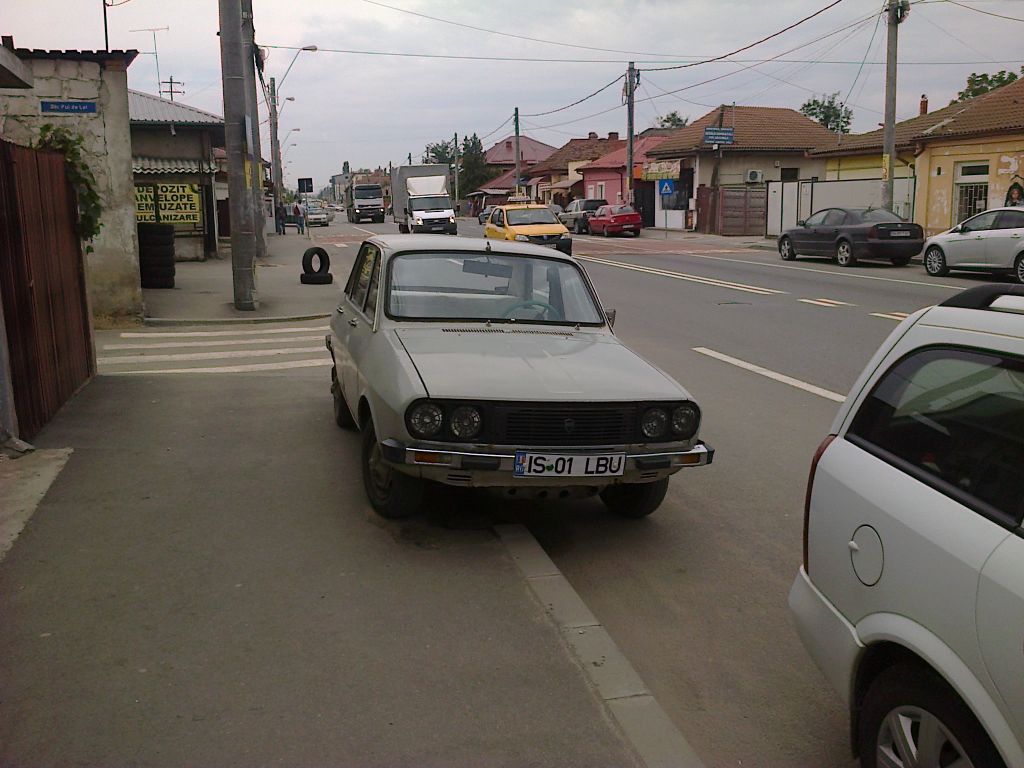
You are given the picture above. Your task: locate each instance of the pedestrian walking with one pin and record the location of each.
(280, 214)
(299, 211)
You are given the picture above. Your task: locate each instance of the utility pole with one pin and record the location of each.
(456, 173)
(275, 144)
(249, 54)
(631, 76)
(237, 139)
(170, 90)
(516, 121)
(896, 12)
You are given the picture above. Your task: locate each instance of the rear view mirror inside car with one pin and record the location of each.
(487, 268)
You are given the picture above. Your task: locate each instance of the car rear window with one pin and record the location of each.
(876, 215)
(953, 418)
(593, 205)
(620, 209)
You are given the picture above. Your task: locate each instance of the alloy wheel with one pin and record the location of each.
(844, 256)
(910, 736)
(934, 262)
(1020, 268)
(786, 249)
(380, 473)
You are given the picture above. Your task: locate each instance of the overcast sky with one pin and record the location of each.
(369, 109)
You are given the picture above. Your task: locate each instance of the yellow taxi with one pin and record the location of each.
(528, 223)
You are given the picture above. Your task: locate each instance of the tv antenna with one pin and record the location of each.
(156, 55)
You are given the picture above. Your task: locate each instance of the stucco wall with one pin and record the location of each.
(733, 167)
(612, 180)
(158, 141)
(112, 269)
(864, 167)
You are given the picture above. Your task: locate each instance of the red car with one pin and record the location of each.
(615, 219)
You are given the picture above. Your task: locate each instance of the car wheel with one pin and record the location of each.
(911, 717)
(342, 415)
(577, 227)
(606, 232)
(786, 249)
(1018, 269)
(900, 261)
(635, 499)
(844, 254)
(391, 494)
(403, 229)
(935, 262)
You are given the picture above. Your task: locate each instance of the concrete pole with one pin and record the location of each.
(516, 116)
(456, 174)
(249, 63)
(630, 83)
(889, 132)
(275, 144)
(243, 239)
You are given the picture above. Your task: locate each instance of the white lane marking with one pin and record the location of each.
(340, 245)
(683, 276)
(227, 368)
(367, 231)
(775, 376)
(221, 343)
(190, 334)
(830, 303)
(221, 355)
(897, 316)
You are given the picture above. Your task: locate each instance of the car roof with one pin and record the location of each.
(401, 243)
(509, 206)
(993, 309)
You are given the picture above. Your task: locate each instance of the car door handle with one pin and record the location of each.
(341, 311)
(353, 322)
(1015, 237)
(979, 237)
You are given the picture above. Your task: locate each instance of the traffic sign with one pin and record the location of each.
(305, 185)
(719, 136)
(666, 187)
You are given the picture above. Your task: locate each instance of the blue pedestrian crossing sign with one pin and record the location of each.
(666, 187)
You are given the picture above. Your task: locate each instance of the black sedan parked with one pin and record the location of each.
(848, 234)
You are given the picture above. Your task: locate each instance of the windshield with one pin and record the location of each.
(876, 214)
(520, 216)
(430, 203)
(593, 205)
(479, 287)
(368, 193)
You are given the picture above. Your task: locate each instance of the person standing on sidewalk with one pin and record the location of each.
(299, 210)
(279, 216)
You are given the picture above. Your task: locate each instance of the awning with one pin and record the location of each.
(566, 184)
(157, 165)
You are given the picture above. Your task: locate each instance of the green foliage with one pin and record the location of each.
(982, 82)
(90, 207)
(830, 112)
(473, 169)
(672, 120)
(440, 152)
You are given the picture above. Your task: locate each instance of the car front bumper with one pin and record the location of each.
(444, 226)
(493, 466)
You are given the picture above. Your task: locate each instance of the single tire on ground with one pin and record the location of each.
(342, 415)
(391, 494)
(935, 262)
(157, 282)
(315, 278)
(323, 261)
(635, 500)
(157, 234)
(156, 252)
(911, 695)
(146, 241)
(157, 271)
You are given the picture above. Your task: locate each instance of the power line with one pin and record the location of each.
(578, 101)
(951, 36)
(867, 52)
(486, 135)
(987, 13)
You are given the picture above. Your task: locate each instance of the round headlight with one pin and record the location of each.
(426, 420)
(466, 422)
(686, 420)
(654, 423)
(522, 238)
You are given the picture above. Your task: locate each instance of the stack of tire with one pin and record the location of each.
(316, 267)
(156, 255)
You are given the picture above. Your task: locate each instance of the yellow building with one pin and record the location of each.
(964, 158)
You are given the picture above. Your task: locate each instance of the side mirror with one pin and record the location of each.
(801, 223)
(609, 315)
(962, 229)
(405, 211)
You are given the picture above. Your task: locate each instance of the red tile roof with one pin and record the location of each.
(574, 151)
(617, 159)
(506, 181)
(998, 111)
(757, 129)
(531, 151)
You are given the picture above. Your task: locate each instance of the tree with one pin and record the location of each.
(830, 112)
(672, 120)
(440, 152)
(979, 83)
(473, 168)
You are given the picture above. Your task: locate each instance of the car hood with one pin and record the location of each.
(538, 229)
(533, 363)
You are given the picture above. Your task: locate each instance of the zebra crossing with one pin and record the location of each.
(217, 351)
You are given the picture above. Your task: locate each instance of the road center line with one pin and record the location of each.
(683, 276)
(775, 376)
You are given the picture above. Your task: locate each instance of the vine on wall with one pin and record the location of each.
(90, 207)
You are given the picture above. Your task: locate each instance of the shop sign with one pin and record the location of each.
(661, 169)
(169, 204)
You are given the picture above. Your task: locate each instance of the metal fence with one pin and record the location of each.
(42, 280)
(791, 201)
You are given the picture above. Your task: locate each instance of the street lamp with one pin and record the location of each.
(290, 132)
(275, 143)
(287, 148)
(281, 110)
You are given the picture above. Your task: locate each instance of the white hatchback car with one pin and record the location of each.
(992, 241)
(911, 594)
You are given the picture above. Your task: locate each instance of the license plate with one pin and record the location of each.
(899, 233)
(569, 465)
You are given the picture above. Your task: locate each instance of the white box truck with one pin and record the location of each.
(420, 199)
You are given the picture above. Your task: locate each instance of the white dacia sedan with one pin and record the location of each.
(480, 364)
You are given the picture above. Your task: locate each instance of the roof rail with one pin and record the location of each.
(982, 296)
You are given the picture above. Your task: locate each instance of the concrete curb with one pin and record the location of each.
(643, 722)
(157, 321)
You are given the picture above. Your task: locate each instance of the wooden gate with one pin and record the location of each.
(42, 280)
(742, 210)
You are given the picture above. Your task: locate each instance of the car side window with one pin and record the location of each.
(835, 217)
(982, 222)
(1010, 220)
(371, 293)
(954, 419)
(817, 218)
(362, 278)
(498, 218)
(353, 276)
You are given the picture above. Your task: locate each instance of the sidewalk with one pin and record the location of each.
(203, 290)
(719, 241)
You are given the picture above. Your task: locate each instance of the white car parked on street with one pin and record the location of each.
(492, 364)
(992, 241)
(911, 593)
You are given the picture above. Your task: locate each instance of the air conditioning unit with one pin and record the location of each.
(754, 177)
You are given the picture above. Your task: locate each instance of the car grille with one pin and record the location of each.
(565, 424)
(544, 239)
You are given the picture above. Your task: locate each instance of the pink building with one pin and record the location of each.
(606, 176)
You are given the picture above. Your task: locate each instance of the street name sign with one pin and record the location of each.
(719, 136)
(67, 107)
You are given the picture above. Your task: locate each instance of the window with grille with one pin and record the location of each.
(971, 199)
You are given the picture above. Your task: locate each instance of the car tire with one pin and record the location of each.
(914, 694)
(635, 500)
(606, 232)
(900, 261)
(636, 233)
(1018, 268)
(316, 278)
(844, 254)
(323, 261)
(935, 262)
(342, 414)
(786, 250)
(403, 229)
(392, 495)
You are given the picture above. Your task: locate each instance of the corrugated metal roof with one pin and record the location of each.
(146, 108)
(171, 165)
(127, 56)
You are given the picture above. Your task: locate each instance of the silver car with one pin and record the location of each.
(992, 241)
(479, 364)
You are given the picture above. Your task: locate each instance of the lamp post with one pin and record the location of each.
(275, 143)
